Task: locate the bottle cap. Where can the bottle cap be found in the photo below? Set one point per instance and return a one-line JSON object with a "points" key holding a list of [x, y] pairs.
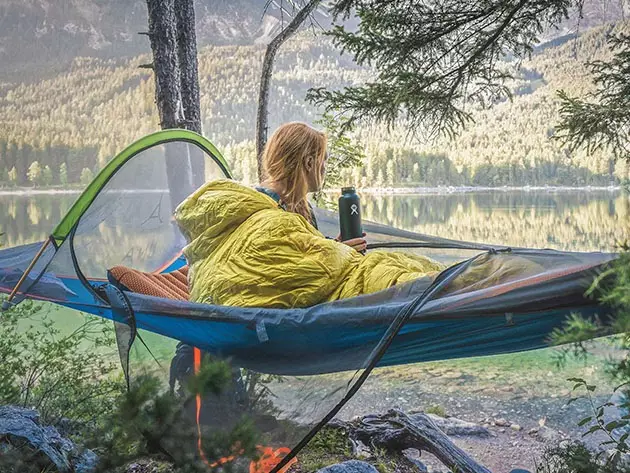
{"points": [[347, 190]]}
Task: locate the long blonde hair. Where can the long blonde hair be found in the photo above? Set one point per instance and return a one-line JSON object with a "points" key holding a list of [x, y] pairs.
{"points": [[284, 163]]}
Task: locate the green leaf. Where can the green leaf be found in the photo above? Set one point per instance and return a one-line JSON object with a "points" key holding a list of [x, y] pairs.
{"points": [[590, 387], [585, 420], [608, 442], [595, 428], [612, 425]]}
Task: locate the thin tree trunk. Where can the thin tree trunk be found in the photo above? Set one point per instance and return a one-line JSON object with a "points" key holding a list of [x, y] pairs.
{"points": [[168, 97], [187, 52], [162, 33], [189, 77], [265, 79]]}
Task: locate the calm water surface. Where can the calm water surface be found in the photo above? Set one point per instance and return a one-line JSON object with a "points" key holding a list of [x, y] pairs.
{"points": [[577, 220]]}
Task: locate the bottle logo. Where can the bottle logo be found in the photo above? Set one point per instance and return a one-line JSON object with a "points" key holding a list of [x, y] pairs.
{"points": [[354, 209]]}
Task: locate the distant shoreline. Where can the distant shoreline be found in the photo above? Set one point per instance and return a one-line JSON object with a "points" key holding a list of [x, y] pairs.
{"points": [[444, 190], [441, 190]]}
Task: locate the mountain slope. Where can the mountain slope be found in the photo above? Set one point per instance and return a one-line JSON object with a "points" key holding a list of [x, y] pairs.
{"points": [[37, 34], [38, 38], [80, 118]]}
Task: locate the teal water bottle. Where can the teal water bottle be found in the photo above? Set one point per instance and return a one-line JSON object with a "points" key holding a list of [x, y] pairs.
{"points": [[350, 214]]}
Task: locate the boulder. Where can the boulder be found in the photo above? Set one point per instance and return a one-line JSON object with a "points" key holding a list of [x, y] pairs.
{"points": [[24, 424], [351, 466]]}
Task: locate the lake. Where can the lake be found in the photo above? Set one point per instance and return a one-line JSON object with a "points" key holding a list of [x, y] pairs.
{"points": [[578, 220]]}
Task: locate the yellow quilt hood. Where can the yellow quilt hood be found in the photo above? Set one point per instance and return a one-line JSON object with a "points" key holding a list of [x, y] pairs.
{"points": [[244, 250]]}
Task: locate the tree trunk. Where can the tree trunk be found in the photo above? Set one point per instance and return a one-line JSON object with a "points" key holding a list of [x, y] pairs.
{"points": [[187, 52], [396, 431], [265, 78], [189, 77], [163, 36], [162, 33]]}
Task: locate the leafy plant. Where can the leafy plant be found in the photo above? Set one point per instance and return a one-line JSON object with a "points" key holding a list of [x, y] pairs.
{"points": [[573, 457], [62, 376], [151, 422]]}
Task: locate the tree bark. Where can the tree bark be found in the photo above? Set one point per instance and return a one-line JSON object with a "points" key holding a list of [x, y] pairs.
{"points": [[187, 53], [162, 33], [189, 78], [168, 95], [396, 431], [265, 78]]}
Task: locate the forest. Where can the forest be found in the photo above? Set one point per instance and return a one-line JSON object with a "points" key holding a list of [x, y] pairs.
{"points": [[60, 131]]}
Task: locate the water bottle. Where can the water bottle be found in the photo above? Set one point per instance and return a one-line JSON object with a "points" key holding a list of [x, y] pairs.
{"points": [[350, 214]]}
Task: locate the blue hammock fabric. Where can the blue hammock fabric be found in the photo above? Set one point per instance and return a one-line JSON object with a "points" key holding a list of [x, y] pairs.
{"points": [[509, 316]]}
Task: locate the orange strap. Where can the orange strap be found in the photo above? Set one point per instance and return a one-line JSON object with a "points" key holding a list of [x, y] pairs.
{"points": [[269, 457]]}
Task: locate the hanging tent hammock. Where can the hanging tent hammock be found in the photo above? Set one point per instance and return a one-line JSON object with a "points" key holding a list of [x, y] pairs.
{"points": [[490, 300]]}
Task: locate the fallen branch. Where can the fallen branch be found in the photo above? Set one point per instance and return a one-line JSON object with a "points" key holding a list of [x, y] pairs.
{"points": [[396, 431]]}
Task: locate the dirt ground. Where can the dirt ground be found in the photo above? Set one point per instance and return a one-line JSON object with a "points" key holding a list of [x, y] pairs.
{"points": [[521, 399]]}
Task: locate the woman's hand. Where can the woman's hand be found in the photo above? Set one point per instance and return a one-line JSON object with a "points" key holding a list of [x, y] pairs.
{"points": [[359, 244]]}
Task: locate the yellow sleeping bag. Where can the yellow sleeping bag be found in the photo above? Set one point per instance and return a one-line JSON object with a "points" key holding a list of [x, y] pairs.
{"points": [[245, 251]]}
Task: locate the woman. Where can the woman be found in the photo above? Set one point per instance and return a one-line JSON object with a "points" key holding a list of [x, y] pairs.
{"points": [[261, 248], [294, 164]]}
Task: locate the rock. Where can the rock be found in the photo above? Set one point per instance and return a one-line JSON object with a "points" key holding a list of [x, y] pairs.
{"points": [[149, 466], [533, 431], [63, 453], [351, 466], [515, 427], [549, 435], [501, 422]]}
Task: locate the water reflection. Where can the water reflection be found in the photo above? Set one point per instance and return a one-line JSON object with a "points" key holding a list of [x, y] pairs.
{"points": [[575, 220]]}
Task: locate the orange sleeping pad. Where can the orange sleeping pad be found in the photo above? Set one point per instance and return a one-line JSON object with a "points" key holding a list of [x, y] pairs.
{"points": [[173, 285]]}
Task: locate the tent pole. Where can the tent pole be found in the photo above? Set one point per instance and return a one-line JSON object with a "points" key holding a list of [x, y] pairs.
{"points": [[6, 304]]}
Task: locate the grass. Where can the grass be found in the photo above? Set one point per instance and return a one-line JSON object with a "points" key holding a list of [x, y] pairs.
{"points": [[68, 320], [532, 373], [328, 447], [331, 446], [436, 409]]}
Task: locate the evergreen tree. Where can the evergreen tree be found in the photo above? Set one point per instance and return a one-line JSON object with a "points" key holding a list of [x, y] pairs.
{"points": [[86, 176], [47, 177], [63, 174], [34, 173], [601, 119], [12, 174], [433, 59]]}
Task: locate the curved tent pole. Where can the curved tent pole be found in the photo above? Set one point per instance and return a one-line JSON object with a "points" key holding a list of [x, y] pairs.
{"points": [[447, 244], [442, 280], [64, 228]]}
